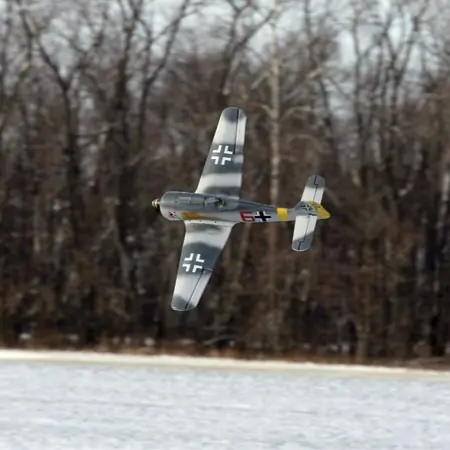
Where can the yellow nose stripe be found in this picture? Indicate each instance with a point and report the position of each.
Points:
(283, 214)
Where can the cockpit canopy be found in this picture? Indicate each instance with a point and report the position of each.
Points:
(200, 201)
(180, 202)
(214, 201)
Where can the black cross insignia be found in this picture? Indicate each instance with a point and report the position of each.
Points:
(261, 215)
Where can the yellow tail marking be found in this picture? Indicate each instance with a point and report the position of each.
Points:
(283, 214)
(321, 211)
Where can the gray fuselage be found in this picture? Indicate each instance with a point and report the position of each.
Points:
(177, 205)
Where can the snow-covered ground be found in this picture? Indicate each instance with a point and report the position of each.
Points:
(90, 401)
(214, 363)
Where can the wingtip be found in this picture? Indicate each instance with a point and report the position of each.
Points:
(316, 180)
(301, 248)
(181, 304)
(233, 114)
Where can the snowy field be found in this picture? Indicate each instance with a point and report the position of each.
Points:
(62, 401)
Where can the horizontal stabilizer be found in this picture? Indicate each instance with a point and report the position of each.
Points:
(303, 233)
(314, 189)
(308, 211)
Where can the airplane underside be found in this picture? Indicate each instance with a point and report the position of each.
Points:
(210, 213)
(185, 206)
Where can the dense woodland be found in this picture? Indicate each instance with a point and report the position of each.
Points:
(105, 105)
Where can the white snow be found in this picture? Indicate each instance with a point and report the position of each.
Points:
(212, 363)
(60, 401)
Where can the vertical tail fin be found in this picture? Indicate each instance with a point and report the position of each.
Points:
(308, 211)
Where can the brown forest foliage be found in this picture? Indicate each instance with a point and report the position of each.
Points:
(105, 105)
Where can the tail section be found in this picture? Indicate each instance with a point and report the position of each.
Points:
(308, 211)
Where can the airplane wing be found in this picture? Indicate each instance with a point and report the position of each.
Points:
(305, 225)
(202, 246)
(222, 173)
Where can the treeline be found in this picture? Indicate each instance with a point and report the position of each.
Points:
(105, 105)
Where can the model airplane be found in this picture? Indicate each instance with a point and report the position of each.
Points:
(211, 212)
